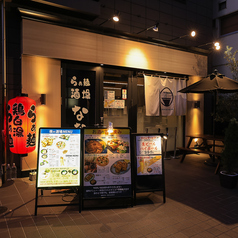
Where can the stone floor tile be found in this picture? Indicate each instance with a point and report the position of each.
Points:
(223, 236)
(204, 234)
(196, 206)
(4, 233)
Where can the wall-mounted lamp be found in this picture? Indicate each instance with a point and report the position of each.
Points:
(216, 45)
(197, 104)
(154, 28)
(115, 18)
(43, 99)
(110, 127)
(196, 145)
(192, 34)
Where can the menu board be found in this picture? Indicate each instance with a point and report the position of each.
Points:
(107, 163)
(149, 155)
(58, 163)
(114, 104)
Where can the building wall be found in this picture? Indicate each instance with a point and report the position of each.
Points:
(12, 86)
(231, 6)
(175, 17)
(194, 116)
(41, 75)
(231, 39)
(65, 43)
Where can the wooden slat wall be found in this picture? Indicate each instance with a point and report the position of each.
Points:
(65, 43)
(41, 75)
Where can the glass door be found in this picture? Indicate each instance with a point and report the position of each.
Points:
(115, 97)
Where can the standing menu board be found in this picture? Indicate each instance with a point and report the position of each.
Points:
(58, 163)
(107, 163)
(149, 174)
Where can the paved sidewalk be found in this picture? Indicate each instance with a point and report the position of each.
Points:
(196, 206)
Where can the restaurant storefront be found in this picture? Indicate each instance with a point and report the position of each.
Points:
(90, 79)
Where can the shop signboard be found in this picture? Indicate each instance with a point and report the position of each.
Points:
(59, 156)
(107, 163)
(79, 98)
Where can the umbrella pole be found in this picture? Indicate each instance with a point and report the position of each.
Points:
(214, 124)
(212, 159)
(214, 112)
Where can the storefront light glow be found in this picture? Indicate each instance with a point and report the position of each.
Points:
(136, 58)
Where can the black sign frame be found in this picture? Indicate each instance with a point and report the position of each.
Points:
(148, 183)
(129, 194)
(78, 187)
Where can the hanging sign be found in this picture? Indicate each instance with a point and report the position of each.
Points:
(107, 163)
(22, 125)
(58, 163)
(124, 94)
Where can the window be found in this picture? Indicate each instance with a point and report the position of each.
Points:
(222, 5)
(229, 23)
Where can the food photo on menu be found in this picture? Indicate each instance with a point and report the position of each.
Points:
(149, 165)
(95, 146)
(107, 161)
(118, 146)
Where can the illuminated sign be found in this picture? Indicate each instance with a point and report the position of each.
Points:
(58, 163)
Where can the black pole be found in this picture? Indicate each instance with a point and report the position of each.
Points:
(214, 113)
(4, 90)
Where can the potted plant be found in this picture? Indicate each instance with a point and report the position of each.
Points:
(229, 157)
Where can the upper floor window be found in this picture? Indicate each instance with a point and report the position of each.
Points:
(229, 23)
(222, 5)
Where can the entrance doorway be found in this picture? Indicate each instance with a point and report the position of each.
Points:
(116, 97)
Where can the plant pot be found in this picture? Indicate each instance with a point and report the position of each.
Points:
(228, 180)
